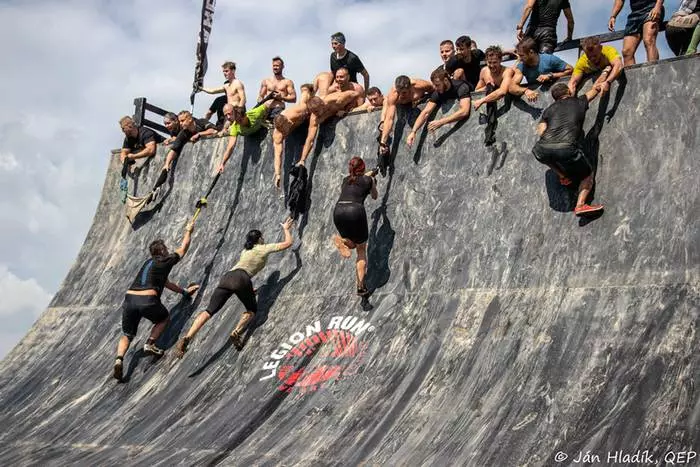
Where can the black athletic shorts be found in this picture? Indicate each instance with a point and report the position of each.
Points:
(572, 162)
(350, 219)
(637, 19)
(546, 39)
(233, 282)
(136, 307)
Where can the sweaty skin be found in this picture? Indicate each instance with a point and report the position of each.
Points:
(349, 86)
(322, 82)
(335, 104)
(497, 76)
(418, 90)
(293, 117)
(284, 87)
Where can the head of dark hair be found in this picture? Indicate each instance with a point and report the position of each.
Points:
(278, 59)
(373, 90)
(402, 82)
(438, 75)
(252, 239)
(158, 248)
(559, 90)
(447, 42)
(229, 65)
(589, 42)
(494, 50)
(526, 45)
(170, 116)
(308, 86)
(464, 41)
(315, 104)
(184, 112)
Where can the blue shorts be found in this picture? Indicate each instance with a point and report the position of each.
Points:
(637, 19)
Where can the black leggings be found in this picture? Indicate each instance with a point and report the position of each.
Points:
(572, 162)
(233, 282)
(136, 307)
(351, 221)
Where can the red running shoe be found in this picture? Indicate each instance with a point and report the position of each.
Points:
(587, 209)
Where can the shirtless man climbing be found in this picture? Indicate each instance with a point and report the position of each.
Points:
(286, 122)
(283, 87)
(234, 89)
(494, 79)
(343, 83)
(321, 109)
(406, 92)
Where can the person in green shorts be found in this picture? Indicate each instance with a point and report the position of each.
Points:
(244, 124)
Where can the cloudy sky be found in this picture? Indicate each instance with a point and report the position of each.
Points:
(71, 69)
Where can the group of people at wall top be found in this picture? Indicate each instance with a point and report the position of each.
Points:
(336, 92)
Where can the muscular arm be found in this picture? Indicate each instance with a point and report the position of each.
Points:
(365, 75)
(229, 149)
(515, 87)
(616, 70)
(174, 287)
(310, 138)
(291, 93)
(503, 88)
(288, 241)
(263, 90)
(481, 85)
(218, 90)
(420, 121)
(529, 5)
(185, 245)
(388, 120)
(278, 146)
(465, 106)
(148, 151)
(592, 93)
(569, 23)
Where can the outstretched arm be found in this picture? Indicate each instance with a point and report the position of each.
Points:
(218, 90)
(310, 138)
(186, 239)
(228, 151)
(288, 239)
(420, 121)
(465, 107)
(388, 120)
(541, 128)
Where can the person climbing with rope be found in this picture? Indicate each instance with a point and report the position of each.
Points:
(238, 281)
(142, 300)
(350, 218)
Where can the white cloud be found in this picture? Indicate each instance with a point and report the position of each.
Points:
(21, 296)
(8, 161)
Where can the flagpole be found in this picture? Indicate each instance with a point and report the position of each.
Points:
(200, 69)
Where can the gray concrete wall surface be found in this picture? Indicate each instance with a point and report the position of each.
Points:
(503, 330)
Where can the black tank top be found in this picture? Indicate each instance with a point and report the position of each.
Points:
(356, 192)
(154, 273)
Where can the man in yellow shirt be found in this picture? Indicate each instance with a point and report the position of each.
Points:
(244, 124)
(596, 58)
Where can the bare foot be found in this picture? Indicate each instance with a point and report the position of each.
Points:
(341, 246)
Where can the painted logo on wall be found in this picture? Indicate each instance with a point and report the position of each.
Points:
(320, 354)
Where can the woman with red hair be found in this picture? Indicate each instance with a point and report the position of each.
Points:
(350, 218)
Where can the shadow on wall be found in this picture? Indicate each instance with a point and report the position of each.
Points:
(267, 296)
